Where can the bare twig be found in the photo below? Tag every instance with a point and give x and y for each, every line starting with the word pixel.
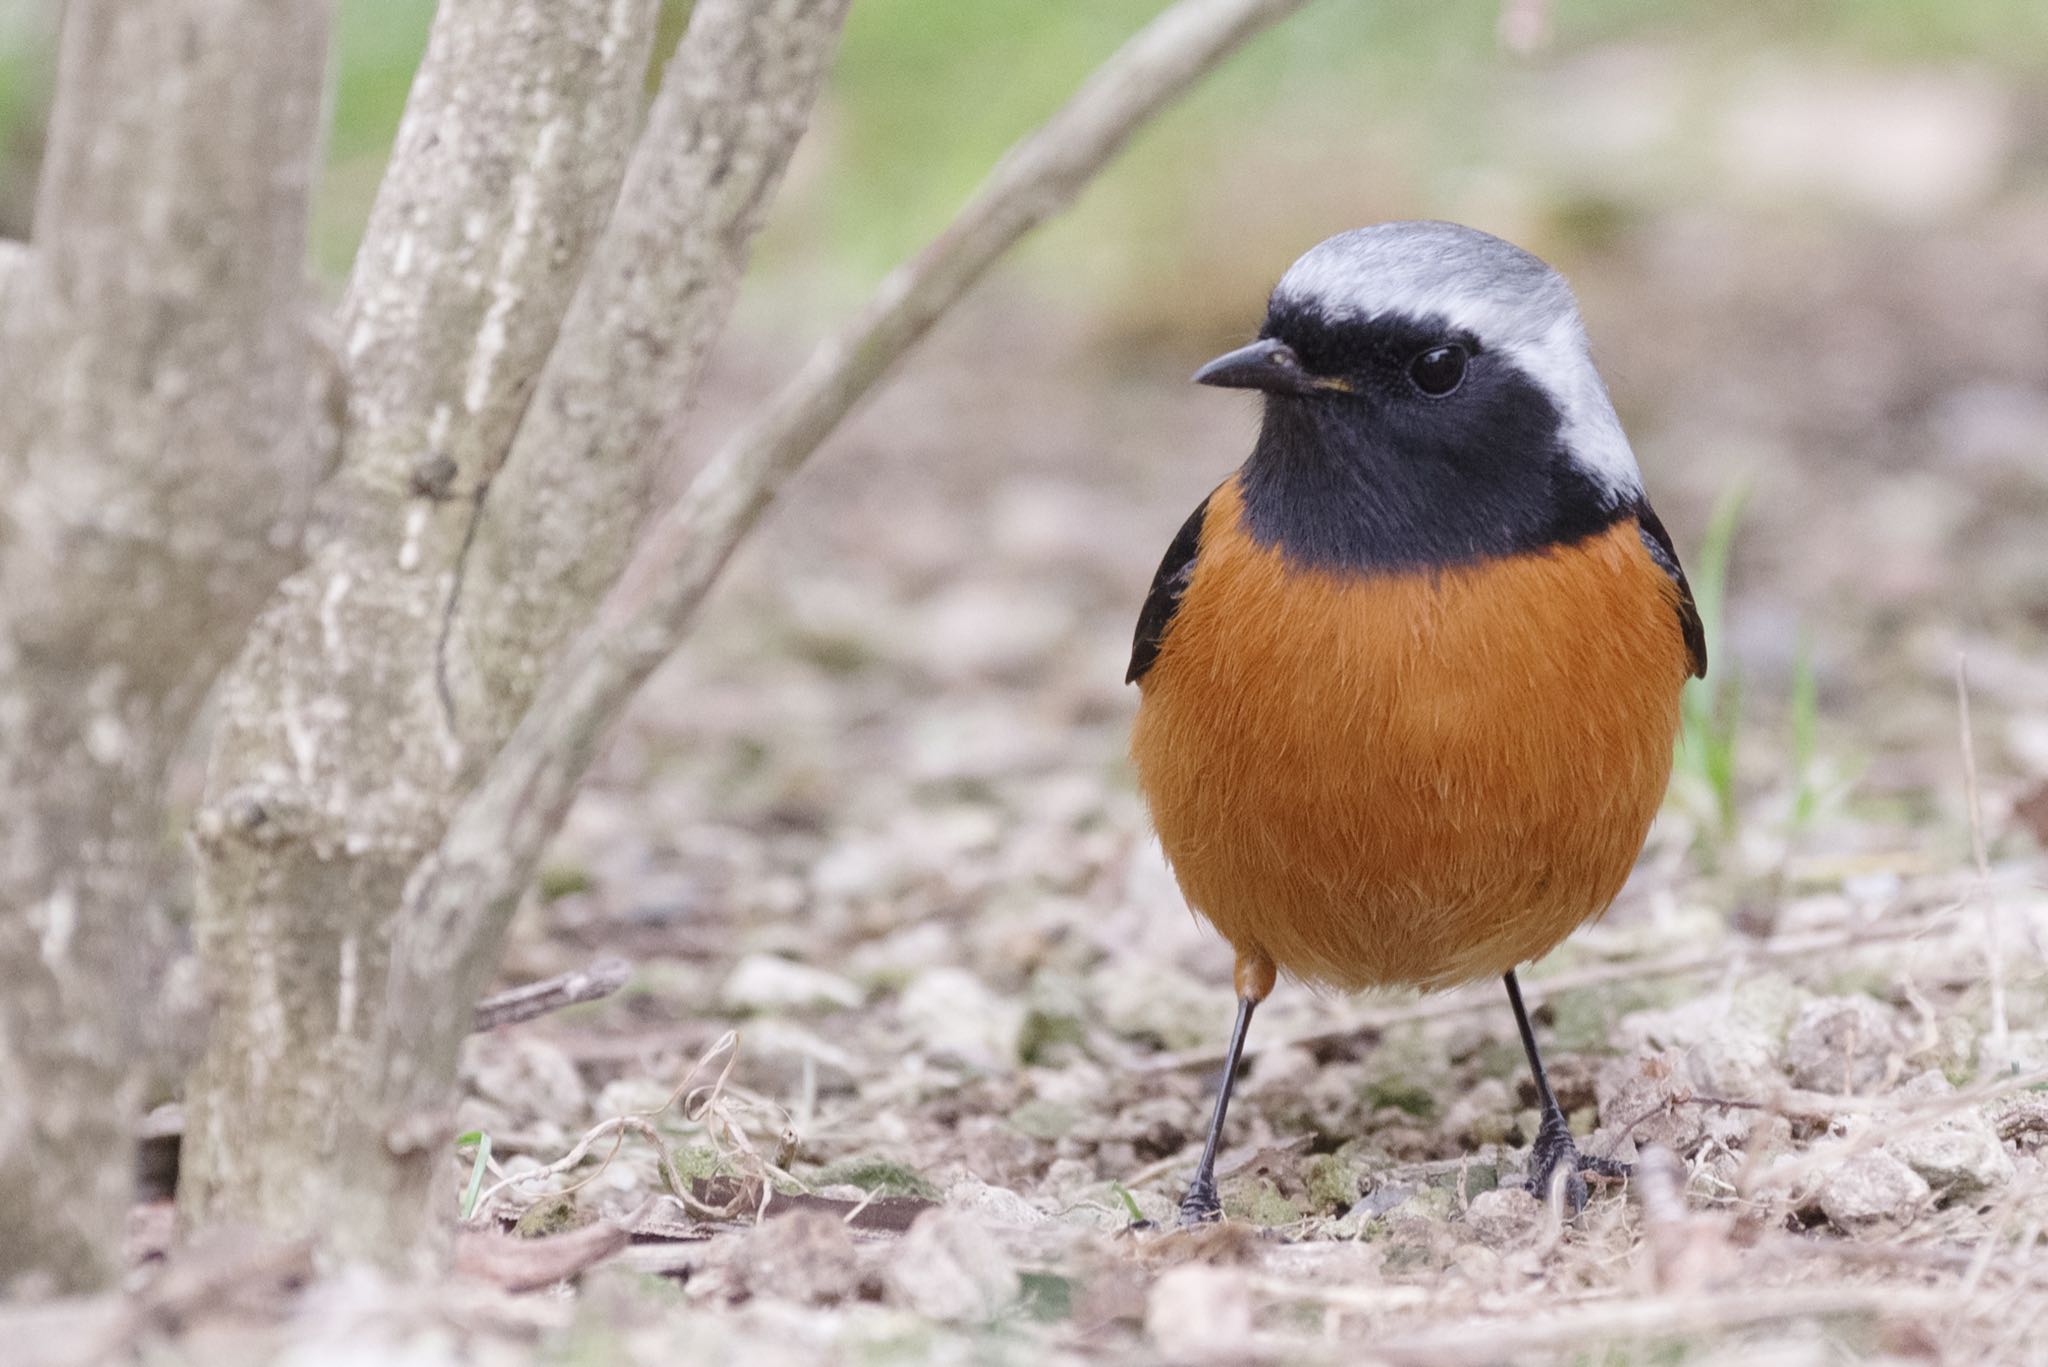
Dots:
pixel 458 905
pixel 1901 1116
pixel 1036 179
pixel 588 984
pixel 1234 1161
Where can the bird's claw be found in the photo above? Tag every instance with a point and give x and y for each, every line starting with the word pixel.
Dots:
pixel 1554 1153
pixel 1201 1206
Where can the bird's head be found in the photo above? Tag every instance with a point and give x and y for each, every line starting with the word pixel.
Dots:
pixel 1438 381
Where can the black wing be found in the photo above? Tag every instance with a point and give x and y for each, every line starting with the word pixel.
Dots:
pixel 1164 599
pixel 1658 542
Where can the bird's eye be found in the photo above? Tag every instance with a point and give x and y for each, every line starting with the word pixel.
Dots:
pixel 1439 370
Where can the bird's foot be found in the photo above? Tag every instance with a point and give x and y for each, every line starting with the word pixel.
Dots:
pixel 1201 1206
pixel 1554 1153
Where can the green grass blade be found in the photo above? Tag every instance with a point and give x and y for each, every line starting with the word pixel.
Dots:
pixel 482 1143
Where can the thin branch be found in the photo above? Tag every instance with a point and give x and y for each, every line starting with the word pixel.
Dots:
pixel 1037 179
pixel 460 901
pixel 523 1003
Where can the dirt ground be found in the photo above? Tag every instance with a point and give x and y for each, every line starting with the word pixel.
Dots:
pixel 877 821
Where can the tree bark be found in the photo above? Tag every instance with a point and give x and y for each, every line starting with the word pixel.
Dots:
pixel 14 259
pixel 161 427
pixel 364 702
pixel 335 755
pixel 462 900
pixel 561 517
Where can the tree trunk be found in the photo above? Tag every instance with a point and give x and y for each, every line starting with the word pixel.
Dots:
pixel 360 708
pixel 335 754
pixel 161 425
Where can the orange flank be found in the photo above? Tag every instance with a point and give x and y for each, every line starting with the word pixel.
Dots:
pixel 1417 779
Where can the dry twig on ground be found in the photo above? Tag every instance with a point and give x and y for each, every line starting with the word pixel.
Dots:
pixel 594 982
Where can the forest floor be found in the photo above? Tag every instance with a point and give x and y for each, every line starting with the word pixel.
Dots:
pixel 908 970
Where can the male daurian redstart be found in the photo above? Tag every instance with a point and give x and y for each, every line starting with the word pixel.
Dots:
pixel 1410 676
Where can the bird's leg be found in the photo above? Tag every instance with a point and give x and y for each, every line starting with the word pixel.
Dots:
pixel 1201 1205
pixel 1554 1150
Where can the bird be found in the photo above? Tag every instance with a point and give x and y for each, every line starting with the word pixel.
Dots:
pixel 1410 676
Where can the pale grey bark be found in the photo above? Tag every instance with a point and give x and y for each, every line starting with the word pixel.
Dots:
pixel 556 522
pixel 459 904
pixel 14 259
pixel 352 717
pixel 161 427
pixel 561 516
pixel 335 757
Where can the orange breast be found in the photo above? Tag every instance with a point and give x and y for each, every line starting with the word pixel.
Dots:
pixel 1419 779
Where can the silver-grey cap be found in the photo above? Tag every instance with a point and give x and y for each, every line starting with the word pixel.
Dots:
pixel 1476 283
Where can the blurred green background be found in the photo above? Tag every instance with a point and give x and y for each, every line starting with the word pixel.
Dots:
pixel 1358 109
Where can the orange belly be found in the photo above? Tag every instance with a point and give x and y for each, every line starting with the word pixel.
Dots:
pixel 1419 779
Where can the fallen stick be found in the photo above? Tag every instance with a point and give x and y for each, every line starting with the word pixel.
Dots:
pixel 590 983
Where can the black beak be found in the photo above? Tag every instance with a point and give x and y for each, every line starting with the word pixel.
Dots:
pixel 1269 364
